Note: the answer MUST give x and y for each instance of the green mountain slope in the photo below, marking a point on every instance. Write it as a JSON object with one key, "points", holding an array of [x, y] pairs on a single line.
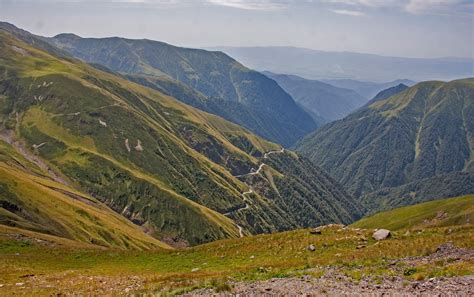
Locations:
{"points": [[226, 87], [30, 199], [177, 172], [422, 132], [323, 100], [439, 186], [439, 213]]}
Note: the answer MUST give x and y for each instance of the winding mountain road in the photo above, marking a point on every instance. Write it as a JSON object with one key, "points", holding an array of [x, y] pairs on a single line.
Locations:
{"points": [[250, 191], [265, 156]]}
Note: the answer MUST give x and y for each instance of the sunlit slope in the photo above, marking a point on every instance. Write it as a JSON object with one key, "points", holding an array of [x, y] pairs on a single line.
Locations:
{"points": [[160, 163], [83, 118], [30, 199], [440, 213]]}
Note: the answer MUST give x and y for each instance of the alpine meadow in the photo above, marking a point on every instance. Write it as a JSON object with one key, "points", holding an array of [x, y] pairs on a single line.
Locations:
{"points": [[236, 148]]}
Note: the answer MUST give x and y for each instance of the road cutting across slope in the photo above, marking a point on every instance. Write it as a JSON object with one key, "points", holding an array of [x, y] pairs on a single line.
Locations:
{"points": [[250, 191]]}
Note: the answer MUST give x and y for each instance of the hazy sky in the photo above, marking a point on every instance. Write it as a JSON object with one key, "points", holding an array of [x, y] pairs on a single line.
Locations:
{"points": [[411, 28]]}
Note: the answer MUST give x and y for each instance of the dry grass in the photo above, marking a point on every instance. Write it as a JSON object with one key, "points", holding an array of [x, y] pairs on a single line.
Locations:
{"points": [[257, 257]]}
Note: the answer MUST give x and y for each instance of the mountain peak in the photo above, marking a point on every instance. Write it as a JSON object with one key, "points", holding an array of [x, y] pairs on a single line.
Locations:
{"points": [[67, 36], [389, 92]]}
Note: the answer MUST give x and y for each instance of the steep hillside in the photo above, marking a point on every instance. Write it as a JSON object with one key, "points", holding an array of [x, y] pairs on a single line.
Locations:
{"points": [[226, 87], [321, 99], [422, 132], [431, 188], [439, 213], [177, 172], [31, 199]]}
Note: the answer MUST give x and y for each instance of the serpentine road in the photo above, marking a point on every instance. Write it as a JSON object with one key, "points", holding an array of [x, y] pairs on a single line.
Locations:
{"points": [[250, 191]]}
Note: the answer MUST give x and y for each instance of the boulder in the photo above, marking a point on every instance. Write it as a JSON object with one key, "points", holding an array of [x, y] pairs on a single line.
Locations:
{"points": [[311, 248], [445, 248], [381, 234], [316, 231]]}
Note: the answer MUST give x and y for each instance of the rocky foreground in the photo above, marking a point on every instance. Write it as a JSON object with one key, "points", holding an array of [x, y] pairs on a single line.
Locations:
{"points": [[336, 283]]}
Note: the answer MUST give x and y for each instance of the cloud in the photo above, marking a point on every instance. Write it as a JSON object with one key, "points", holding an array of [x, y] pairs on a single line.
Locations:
{"points": [[410, 6], [348, 7], [249, 4], [367, 3], [348, 12], [421, 6]]}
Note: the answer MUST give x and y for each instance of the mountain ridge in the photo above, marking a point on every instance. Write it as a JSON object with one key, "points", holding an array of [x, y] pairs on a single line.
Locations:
{"points": [[418, 133], [228, 89]]}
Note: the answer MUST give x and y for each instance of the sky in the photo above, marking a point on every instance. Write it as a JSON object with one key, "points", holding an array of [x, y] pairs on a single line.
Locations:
{"points": [[405, 28]]}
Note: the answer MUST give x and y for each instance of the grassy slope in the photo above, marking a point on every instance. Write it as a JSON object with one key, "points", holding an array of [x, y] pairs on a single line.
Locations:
{"points": [[31, 200], [187, 164], [71, 144], [259, 257], [458, 211]]}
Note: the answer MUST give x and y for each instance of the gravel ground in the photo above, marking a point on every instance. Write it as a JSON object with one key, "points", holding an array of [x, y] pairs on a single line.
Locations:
{"points": [[334, 283], [338, 286]]}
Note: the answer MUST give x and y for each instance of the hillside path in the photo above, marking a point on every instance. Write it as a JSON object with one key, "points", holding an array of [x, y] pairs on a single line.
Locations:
{"points": [[250, 191]]}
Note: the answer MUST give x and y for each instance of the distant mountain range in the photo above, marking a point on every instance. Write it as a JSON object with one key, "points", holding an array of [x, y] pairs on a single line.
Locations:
{"points": [[421, 138], [314, 64], [324, 101], [211, 81]]}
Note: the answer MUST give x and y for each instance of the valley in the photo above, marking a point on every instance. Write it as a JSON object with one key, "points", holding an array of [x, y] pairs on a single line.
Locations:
{"points": [[130, 166], [323, 101], [166, 156]]}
